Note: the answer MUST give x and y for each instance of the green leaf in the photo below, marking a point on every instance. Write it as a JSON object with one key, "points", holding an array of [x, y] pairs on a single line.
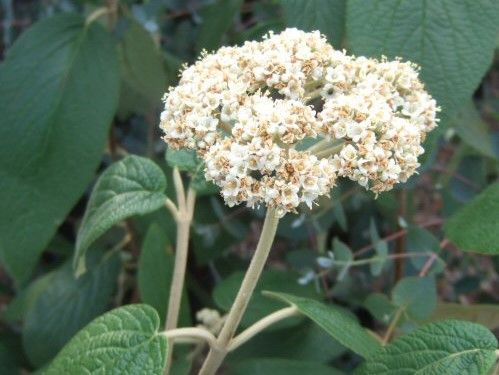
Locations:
{"points": [[304, 342], [11, 354], [485, 314], [417, 295], [65, 306], [132, 186], [259, 306], [217, 19], [473, 130], [155, 273], [142, 71], [450, 347], [279, 366], [453, 41], [336, 322], [475, 227], [327, 16], [343, 254], [381, 249], [58, 93], [420, 240], [380, 306], [123, 341], [23, 302], [183, 159]]}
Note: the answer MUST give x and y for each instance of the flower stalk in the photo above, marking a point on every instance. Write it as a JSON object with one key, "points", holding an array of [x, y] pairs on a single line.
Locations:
{"points": [[219, 351], [182, 214]]}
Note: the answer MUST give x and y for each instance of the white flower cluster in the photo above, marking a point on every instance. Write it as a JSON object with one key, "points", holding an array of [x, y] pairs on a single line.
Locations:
{"points": [[382, 113], [247, 110]]}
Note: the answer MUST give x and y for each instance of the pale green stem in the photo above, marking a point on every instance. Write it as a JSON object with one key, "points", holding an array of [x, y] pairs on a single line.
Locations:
{"points": [[217, 353], [99, 12], [183, 217], [262, 324], [393, 325], [189, 335]]}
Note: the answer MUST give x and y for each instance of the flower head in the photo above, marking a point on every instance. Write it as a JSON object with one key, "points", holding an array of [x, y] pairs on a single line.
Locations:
{"points": [[248, 111]]}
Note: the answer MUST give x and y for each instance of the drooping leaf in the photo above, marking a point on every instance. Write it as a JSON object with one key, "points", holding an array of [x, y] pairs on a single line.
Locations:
{"points": [[132, 186], [143, 73], [453, 41], [475, 227], [279, 366], [450, 347], [327, 16], [122, 341], [485, 314], [216, 21], [417, 295], [259, 306], [58, 93], [155, 273], [65, 306], [336, 322]]}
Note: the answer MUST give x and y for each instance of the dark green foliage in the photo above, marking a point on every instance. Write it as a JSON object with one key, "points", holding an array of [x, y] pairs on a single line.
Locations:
{"points": [[84, 175]]}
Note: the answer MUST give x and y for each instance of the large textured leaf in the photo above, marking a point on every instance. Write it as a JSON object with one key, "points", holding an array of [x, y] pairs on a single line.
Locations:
{"points": [[327, 16], [58, 93], [132, 186], [453, 41], [143, 74], [155, 273], [336, 322], [259, 306], [123, 341], [450, 347], [216, 21], [65, 306], [476, 226], [278, 366]]}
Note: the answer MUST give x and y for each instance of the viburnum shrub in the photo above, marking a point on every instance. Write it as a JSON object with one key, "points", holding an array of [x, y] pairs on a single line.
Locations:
{"points": [[311, 202]]}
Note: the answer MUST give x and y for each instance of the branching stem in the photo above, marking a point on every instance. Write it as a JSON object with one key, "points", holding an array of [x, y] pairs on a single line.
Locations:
{"points": [[182, 214], [218, 352], [190, 334]]}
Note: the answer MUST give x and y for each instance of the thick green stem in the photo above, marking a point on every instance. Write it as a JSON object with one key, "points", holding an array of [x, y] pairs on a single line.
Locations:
{"points": [[218, 352]]}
